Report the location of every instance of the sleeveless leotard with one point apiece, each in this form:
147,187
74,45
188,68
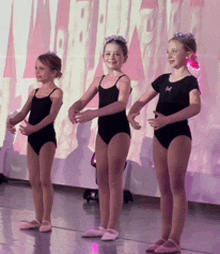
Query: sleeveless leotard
174,96
110,125
40,108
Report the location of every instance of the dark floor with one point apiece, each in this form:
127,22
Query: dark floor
72,215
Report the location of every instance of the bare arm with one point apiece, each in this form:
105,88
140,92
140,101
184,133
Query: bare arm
56,98
84,100
188,112
21,115
138,105
113,108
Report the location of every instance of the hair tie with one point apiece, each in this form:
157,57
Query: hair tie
193,62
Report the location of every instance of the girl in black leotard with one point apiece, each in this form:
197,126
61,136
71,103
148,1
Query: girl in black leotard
44,104
113,138
179,100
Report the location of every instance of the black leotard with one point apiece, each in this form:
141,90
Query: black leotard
40,108
110,125
174,96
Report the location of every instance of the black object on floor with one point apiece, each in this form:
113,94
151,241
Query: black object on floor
127,196
3,179
92,194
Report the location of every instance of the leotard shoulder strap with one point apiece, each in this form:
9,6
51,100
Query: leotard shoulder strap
101,80
119,78
53,91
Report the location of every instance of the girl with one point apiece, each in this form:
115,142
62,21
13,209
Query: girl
179,100
113,138
44,105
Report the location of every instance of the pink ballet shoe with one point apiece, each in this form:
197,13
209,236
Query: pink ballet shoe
94,233
46,227
110,235
164,249
30,225
154,246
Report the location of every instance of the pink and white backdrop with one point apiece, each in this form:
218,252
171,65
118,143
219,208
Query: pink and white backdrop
75,30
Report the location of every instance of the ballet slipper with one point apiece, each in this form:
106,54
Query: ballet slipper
110,235
94,233
154,246
164,249
30,225
44,228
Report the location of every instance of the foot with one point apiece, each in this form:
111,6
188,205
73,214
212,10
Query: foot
94,233
30,225
154,246
168,247
45,227
110,235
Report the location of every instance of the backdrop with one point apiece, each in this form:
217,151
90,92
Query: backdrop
75,30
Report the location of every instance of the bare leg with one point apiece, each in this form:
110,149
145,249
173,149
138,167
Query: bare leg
102,177
178,157
46,160
34,176
166,201
117,154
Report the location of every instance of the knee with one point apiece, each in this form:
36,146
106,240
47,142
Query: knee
35,183
165,190
46,183
115,182
117,164
102,183
178,190
102,178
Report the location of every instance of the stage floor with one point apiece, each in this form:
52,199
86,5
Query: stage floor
139,226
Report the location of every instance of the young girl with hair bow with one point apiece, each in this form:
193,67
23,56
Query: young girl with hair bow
179,99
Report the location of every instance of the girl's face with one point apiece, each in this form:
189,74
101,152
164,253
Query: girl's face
177,55
43,72
113,56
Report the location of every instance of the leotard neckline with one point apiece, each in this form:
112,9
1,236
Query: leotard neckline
44,96
110,86
172,82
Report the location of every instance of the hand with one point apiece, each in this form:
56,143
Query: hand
10,127
158,122
72,114
28,129
85,116
134,123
